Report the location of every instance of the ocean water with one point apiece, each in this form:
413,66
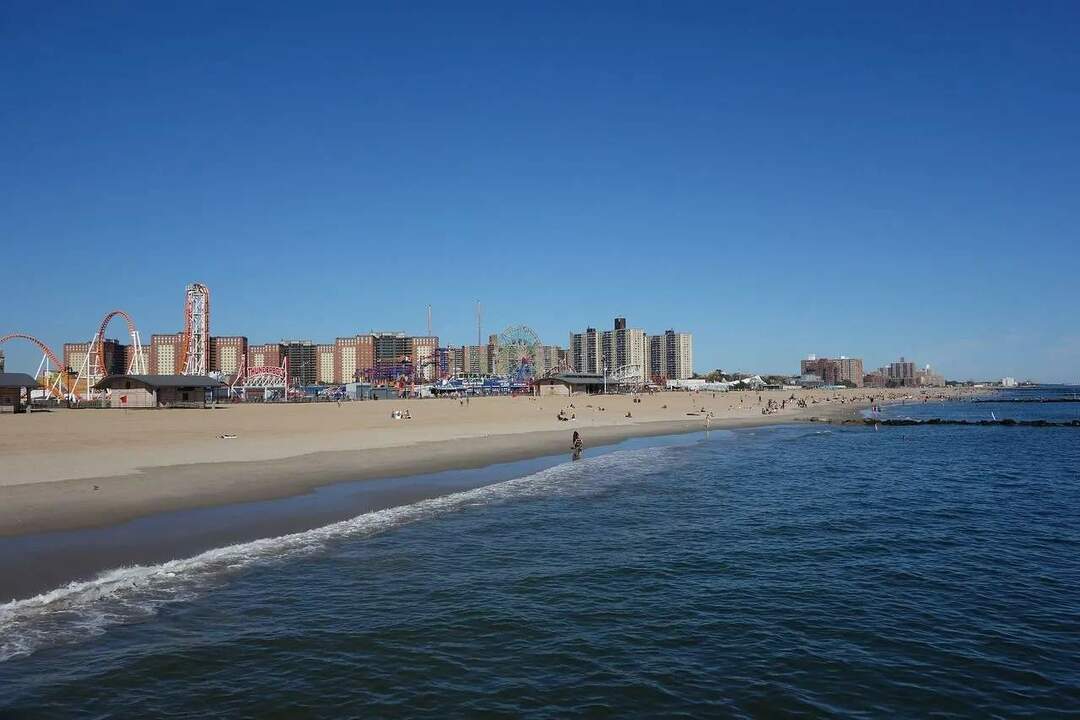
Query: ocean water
803,570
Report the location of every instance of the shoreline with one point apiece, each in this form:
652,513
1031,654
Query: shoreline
33,564
64,505
94,500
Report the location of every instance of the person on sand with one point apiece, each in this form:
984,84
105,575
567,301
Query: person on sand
575,442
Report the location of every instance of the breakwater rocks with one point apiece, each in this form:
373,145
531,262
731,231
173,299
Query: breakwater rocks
1030,400
904,422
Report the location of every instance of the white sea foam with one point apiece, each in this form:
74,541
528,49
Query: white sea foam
86,608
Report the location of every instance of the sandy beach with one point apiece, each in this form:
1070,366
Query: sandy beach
70,469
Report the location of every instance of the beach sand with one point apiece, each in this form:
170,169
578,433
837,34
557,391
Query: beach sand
69,469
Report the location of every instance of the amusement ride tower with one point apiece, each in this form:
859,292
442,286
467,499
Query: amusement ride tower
194,358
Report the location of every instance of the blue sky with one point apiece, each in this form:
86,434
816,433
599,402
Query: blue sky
777,178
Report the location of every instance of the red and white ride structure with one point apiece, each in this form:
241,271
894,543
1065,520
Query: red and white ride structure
59,383
261,382
93,368
194,355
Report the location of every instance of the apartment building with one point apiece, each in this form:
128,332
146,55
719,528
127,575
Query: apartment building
659,356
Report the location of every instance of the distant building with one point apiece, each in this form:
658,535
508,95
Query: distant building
2,361
478,359
455,360
834,371
114,356
165,353
268,355
585,351
325,364
658,356
901,373
928,378
679,347
302,365
423,356
227,353
1009,382
875,379
354,356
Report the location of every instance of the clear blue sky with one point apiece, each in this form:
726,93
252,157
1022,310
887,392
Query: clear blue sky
777,178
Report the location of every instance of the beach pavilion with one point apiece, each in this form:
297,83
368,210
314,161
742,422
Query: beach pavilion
149,391
13,387
567,384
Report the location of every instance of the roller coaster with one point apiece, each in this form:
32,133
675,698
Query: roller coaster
59,383
74,385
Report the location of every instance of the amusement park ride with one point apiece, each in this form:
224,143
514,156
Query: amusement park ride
72,384
59,383
75,384
262,382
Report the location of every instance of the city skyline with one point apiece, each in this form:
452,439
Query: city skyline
776,179
20,352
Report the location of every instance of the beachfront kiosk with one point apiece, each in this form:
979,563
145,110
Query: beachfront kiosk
15,389
151,391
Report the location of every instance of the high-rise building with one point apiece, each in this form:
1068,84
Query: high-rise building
165,351
113,354
423,357
679,349
391,348
455,360
478,359
619,348
630,350
593,351
325,364
345,360
606,362
656,355
850,370
354,358
303,368
266,355
2,361
901,372
227,353
834,371
549,358
585,351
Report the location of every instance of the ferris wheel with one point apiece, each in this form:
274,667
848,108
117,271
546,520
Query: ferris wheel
517,353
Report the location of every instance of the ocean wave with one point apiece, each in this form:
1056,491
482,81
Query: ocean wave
86,608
